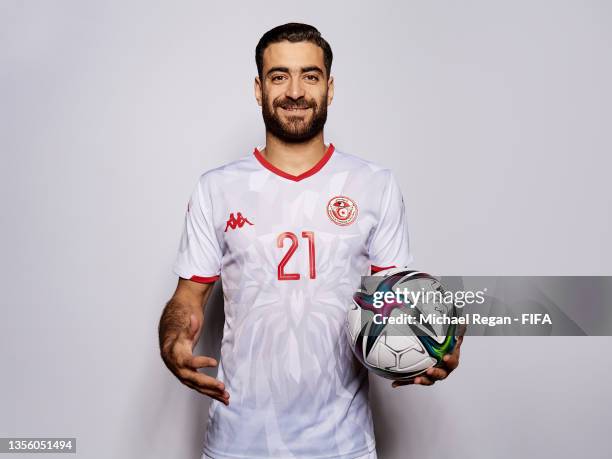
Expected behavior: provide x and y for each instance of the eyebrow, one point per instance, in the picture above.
(311, 68)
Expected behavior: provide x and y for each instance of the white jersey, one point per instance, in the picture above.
(290, 251)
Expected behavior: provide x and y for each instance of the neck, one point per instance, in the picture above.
(294, 158)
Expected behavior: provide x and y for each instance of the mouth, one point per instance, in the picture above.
(295, 109)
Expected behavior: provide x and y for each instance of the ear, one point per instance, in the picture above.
(257, 87)
(330, 90)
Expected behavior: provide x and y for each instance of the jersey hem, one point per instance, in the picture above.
(350, 455)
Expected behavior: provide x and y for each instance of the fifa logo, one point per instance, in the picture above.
(236, 222)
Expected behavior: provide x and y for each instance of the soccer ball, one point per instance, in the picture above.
(382, 336)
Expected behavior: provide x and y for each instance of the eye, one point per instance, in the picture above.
(312, 77)
(277, 78)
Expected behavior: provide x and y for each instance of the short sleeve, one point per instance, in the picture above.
(199, 254)
(389, 246)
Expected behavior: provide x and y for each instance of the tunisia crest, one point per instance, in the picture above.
(342, 210)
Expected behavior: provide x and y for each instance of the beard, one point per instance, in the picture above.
(296, 129)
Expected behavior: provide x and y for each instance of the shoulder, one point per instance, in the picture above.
(225, 174)
(360, 165)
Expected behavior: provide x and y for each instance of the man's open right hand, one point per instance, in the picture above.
(178, 357)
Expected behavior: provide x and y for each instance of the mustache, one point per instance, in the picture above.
(289, 104)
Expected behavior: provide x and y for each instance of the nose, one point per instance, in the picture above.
(295, 90)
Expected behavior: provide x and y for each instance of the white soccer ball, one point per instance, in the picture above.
(382, 337)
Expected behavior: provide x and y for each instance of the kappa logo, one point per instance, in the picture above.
(236, 222)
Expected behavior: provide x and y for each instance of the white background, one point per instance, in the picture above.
(494, 116)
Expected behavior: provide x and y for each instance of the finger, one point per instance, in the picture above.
(206, 391)
(201, 361)
(451, 361)
(211, 392)
(402, 383)
(202, 380)
(423, 380)
(223, 398)
(437, 373)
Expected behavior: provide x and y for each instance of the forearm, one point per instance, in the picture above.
(179, 328)
(175, 319)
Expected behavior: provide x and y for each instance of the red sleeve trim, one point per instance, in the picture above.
(375, 268)
(204, 280)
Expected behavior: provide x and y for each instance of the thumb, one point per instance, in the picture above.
(194, 327)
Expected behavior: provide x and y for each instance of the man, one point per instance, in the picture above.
(289, 229)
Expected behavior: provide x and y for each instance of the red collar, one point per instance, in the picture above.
(296, 178)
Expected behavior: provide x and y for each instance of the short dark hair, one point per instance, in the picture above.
(293, 32)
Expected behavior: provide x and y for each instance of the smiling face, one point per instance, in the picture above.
(294, 90)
